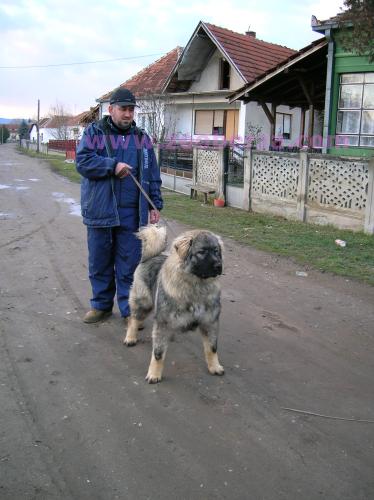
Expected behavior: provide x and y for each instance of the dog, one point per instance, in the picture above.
(183, 290)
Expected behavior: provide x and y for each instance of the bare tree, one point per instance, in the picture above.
(156, 116)
(60, 122)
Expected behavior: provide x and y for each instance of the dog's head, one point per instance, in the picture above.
(200, 253)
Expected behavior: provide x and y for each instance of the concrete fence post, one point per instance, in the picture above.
(221, 174)
(369, 212)
(194, 165)
(302, 187)
(247, 198)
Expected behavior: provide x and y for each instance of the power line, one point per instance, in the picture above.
(80, 63)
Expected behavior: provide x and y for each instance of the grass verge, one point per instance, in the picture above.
(308, 244)
(57, 164)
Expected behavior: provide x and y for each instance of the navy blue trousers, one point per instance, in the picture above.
(113, 254)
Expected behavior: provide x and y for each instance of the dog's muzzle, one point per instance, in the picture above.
(211, 272)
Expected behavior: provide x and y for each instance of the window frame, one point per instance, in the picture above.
(221, 130)
(224, 75)
(285, 135)
(345, 138)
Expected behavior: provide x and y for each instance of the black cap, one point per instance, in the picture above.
(123, 97)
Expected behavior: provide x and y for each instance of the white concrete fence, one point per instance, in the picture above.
(309, 187)
(32, 146)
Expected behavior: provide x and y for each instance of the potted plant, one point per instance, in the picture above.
(219, 201)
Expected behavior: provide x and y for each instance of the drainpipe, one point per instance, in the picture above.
(329, 83)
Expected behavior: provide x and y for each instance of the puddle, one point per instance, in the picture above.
(22, 188)
(34, 180)
(75, 208)
(19, 180)
(4, 216)
(4, 186)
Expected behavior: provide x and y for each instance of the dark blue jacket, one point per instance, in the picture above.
(98, 153)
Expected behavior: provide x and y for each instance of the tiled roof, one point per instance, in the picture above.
(56, 121)
(302, 55)
(75, 120)
(251, 55)
(88, 116)
(12, 127)
(151, 79)
(43, 122)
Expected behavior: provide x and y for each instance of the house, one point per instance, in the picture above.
(334, 89)
(59, 128)
(75, 126)
(147, 86)
(349, 98)
(43, 130)
(298, 81)
(51, 128)
(215, 62)
(13, 129)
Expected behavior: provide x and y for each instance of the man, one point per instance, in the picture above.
(113, 208)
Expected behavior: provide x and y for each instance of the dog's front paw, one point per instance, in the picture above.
(216, 369)
(152, 379)
(129, 342)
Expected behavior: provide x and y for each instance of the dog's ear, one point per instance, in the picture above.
(182, 245)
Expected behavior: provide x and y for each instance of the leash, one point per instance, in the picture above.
(110, 155)
(142, 190)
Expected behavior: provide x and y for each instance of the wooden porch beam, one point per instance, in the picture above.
(268, 113)
(305, 90)
(273, 114)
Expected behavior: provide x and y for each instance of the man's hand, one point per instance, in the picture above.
(154, 216)
(122, 170)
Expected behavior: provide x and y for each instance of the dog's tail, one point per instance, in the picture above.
(153, 239)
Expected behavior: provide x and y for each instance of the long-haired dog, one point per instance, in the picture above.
(183, 290)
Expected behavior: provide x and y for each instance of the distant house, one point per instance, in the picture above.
(215, 62)
(43, 130)
(75, 127)
(147, 86)
(58, 128)
(13, 131)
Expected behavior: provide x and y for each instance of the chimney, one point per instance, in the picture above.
(251, 33)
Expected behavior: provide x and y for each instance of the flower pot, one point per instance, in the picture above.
(219, 202)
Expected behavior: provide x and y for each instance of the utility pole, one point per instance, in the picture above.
(37, 128)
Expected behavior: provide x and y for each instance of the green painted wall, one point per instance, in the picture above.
(346, 63)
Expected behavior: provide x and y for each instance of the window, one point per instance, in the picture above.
(224, 75)
(355, 119)
(283, 125)
(209, 122)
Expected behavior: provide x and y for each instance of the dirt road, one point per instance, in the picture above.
(78, 421)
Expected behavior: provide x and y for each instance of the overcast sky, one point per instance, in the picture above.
(42, 32)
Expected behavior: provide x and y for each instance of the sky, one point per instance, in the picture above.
(47, 32)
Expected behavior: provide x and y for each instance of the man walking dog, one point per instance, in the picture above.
(110, 155)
